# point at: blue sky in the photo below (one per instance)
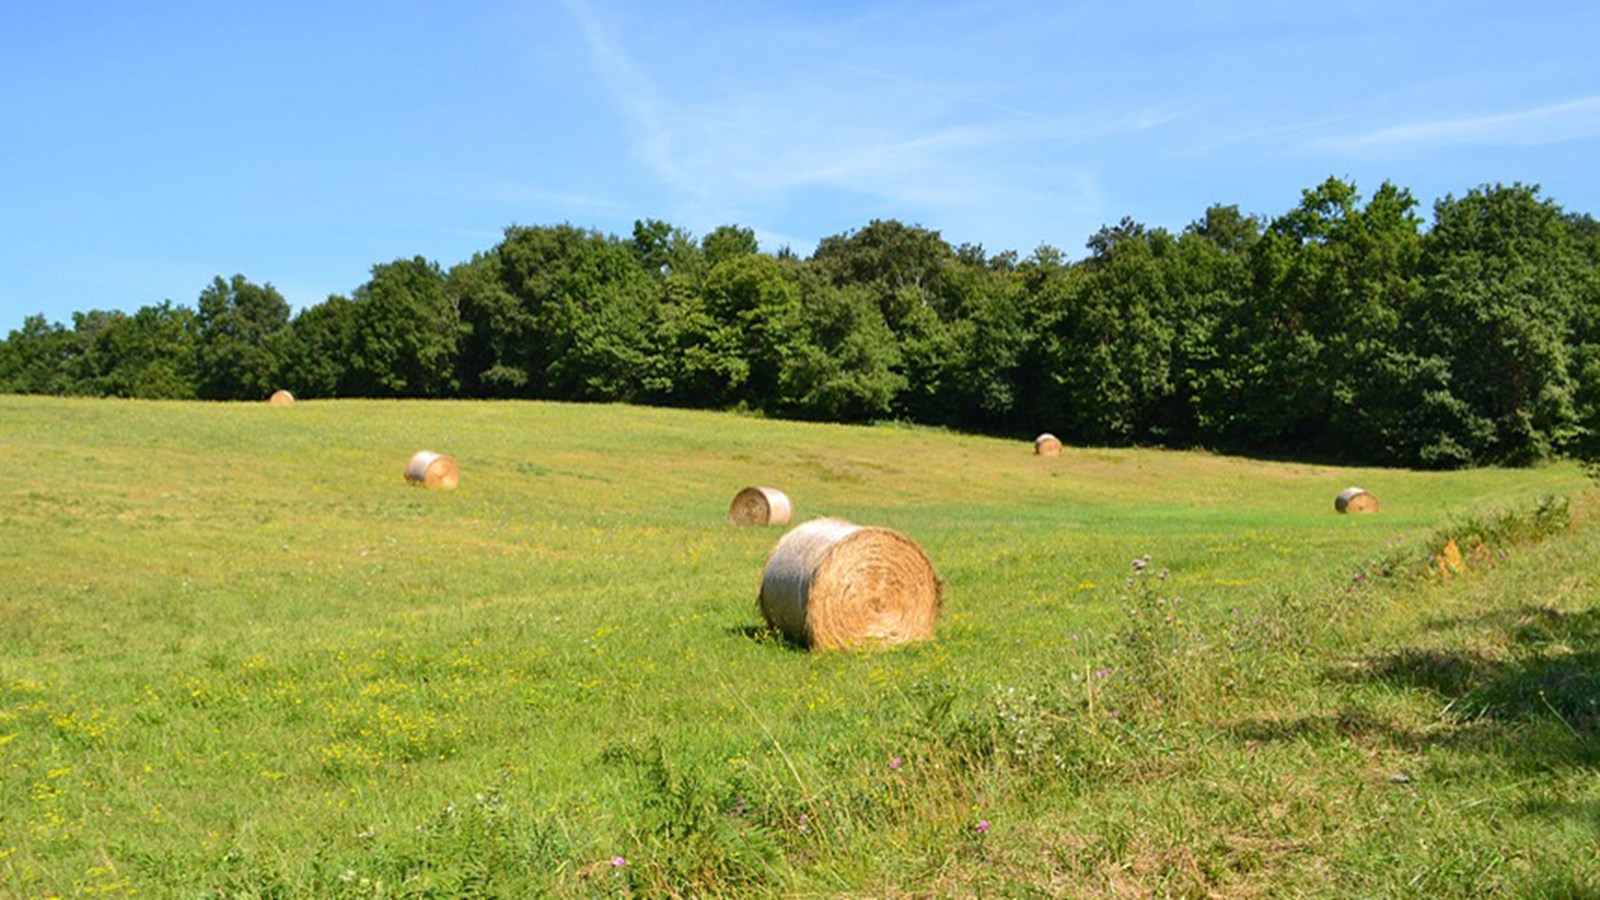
(145, 148)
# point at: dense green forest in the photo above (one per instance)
(1344, 328)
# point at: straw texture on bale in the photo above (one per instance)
(1355, 500)
(1047, 444)
(832, 584)
(760, 506)
(434, 470)
(281, 398)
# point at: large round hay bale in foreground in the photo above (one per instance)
(760, 506)
(1047, 444)
(433, 470)
(1355, 500)
(281, 398)
(832, 584)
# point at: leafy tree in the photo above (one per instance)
(496, 357)
(653, 242)
(38, 358)
(406, 332)
(729, 241)
(846, 366)
(1120, 348)
(1338, 327)
(152, 354)
(906, 267)
(244, 331)
(321, 344)
(1105, 345)
(1208, 278)
(1049, 287)
(677, 264)
(1585, 441)
(1504, 281)
(556, 312)
(975, 379)
(8, 365)
(94, 336)
(1330, 280)
(734, 340)
(1585, 341)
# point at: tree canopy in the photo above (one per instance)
(1347, 327)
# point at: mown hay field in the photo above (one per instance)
(241, 656)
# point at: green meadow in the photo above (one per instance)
(241, 657)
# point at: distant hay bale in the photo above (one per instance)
(760, 506)
(1355, 500)
(434, 470)
(831, 584)
(281, 398)
(1047, 444)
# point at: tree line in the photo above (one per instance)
(1343, 328)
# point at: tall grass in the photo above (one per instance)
(240, 657)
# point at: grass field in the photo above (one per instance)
(240, 657)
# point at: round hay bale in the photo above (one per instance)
(433, 470)
(1355, 500)
(832, 584)
(760, 506)
(281, 398)
(1047, 444)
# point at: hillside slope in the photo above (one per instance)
(239, 654)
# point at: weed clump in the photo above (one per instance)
(1162, 665)
(694, 834)
(1478, 540)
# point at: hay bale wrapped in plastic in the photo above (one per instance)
(1355, 500)
(1047, 444)
(434, 471)
(760, 506)
(832, 584)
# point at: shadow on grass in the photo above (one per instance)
(1550, 673)
(765, 634)
(1566, 886)
(1351, 724)
(1537, 705)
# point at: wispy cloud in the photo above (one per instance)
(1573, 120)
(488, 190)
(630, 85)
(930, 144)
